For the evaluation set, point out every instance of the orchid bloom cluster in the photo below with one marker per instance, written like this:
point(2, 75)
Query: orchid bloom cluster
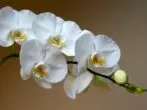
point(47, 42)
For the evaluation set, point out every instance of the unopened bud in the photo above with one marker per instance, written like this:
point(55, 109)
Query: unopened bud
point(120, 76)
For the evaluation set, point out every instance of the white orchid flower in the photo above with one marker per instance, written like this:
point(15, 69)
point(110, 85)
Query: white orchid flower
point(97, 52)
point(53, 30)
point(76, 84)
point(46, 64)
point(15, 26)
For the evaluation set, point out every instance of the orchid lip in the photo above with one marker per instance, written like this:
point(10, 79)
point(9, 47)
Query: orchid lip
point(18, 35)
point(40, 70)
point(97, 59)
point(56, 41)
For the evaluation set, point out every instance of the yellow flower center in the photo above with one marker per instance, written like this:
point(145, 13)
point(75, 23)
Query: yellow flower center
point(18, 35)
point(56, 41)
point(40, 71)
point(97, 60)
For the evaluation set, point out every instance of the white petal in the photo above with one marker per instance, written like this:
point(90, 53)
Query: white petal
point(59, 24)
point(74, 85)
point(69, 47)
point(5, 40)
point(47, 21)
point(43, 83)
point(70, 87)
point(24, 75)
point(57, 65)
point(26, 18)
point(8, 16)
point(83, 81)
point(109, 50)
point(30, 54)
point(30, 35)
point(70, 29)
point(70, 33)
point(111, 70)
point(44, 26)
point(84, 45)
point(82, 64)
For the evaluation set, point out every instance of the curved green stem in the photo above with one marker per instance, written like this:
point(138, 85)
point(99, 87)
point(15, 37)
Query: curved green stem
point(130, 87)
point(2, 60)
point(144, 90)
point(13, 48)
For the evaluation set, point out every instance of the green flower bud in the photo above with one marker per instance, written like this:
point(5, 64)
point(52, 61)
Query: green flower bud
point(131, 88)
point(120, 76)
point(139, 90)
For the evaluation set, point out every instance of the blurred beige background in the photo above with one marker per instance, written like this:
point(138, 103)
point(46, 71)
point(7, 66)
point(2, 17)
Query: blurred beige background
point(124, 20)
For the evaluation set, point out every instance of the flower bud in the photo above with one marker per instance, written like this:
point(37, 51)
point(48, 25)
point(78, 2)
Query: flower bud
point(139, 90)
point(120, 76)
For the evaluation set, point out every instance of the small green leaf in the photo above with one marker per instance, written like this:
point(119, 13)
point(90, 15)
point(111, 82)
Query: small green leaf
point(131, 88)
point(139, 90)
point(100, 84)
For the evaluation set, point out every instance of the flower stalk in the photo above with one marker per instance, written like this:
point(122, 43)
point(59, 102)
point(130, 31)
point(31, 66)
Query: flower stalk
point(13, 55)
point(128, 86)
